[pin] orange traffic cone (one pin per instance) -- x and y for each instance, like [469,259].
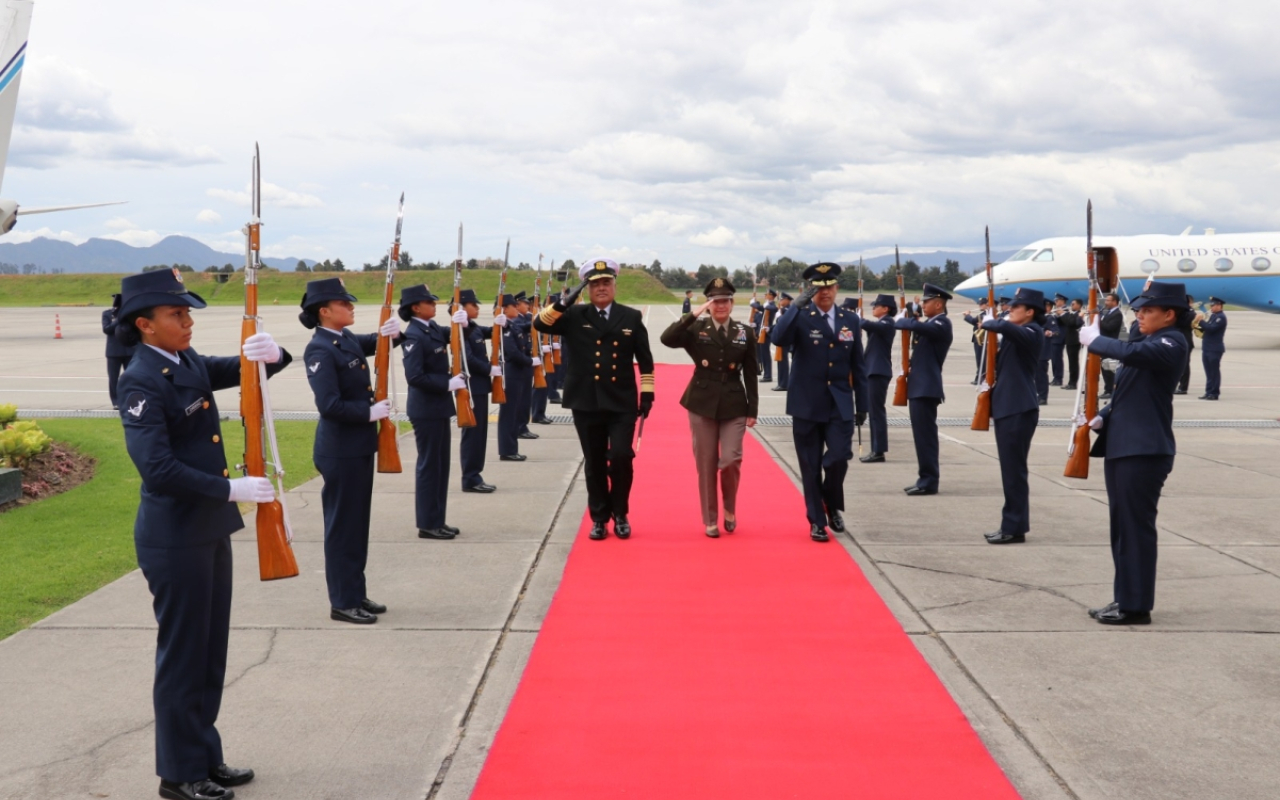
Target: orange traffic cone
[57,327]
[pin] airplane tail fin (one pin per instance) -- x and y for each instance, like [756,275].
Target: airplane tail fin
[15,23]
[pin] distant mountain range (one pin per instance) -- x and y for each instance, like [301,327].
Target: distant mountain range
[108,255]
[969,262]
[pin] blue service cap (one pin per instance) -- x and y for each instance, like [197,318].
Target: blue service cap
[416,294]
[1163,294]
[508,300]
[161,287]
[822,274]
[929,292]
[324,290]
[887,301]
[850,303]
[467,296]
[1028,297]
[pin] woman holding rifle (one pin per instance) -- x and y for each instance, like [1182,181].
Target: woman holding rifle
[346,440]
[186,516]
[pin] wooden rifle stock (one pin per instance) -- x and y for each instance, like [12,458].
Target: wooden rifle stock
[539,370]
[1100,278]
[388,432]
[900,388]
[462,397]
[982,412]
[499,390]
[765,318]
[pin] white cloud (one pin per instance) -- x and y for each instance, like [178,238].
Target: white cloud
[119,224]
[208,215]
[135,238]
[720,237]
[19,235]
[662,221]
[272,195]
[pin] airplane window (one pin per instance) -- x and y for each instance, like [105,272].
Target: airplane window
[1044,255]
[1223,265]
[1187,265]
[1022,255]
[1149,265]
[1261,264]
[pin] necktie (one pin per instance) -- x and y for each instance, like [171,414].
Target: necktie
[831,326]
[604,317]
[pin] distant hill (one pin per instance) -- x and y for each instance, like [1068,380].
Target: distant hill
[108,255]
[969,262]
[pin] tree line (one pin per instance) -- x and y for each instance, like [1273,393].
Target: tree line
[786,273]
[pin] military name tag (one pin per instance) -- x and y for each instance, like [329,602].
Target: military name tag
[439,349]
[815,334]
[194,407]
[626,331]
[352,363]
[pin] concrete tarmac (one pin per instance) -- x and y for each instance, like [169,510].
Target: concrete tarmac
[1186,708]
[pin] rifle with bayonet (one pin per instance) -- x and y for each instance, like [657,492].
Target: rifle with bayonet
[548,361]
[900,388]
[499,356]
[458,348]
[539,371]
[862,311]
[275,555]
[388,433]
[1101,279]
[982,412]
[555,340]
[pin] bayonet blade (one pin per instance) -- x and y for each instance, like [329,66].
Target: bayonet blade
[987,235]
[400,219]
[459,242]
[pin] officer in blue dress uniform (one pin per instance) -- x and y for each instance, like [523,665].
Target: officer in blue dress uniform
[932,340]
[186,516]
[759,313]
[1003,303]
[556,350]
[974,319]
[1051,331]
[784,363]
[475,439]
[543,396]
[425,347]
[687,306]
[524,318]
[1015,407]
[827,394]
[517,346]
[1058,341]
[1212,348]
[1136,441]
[118,353]
[879,357]
[346,443]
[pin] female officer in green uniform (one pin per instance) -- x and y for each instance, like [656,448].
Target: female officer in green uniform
[722,399]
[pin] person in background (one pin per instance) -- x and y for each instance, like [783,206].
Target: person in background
[1185,327]
[783,363]
[475,439]
[879,357]
[517,344]
[974,318]
[688,301]
[1212,348]
[118,353]
[1071,321]
[1110,323]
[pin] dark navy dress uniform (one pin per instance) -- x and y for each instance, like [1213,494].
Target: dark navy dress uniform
[1015,409]
[1137,443]
[118,353]
[1212,349]
[784,362]
[828,390]
[475,439]
[932,339]
[879,358]
[763,357]
[1051,332]
[1058,341]
[183,529]
[517,347]
[974,319]
[686,307]
[425,355]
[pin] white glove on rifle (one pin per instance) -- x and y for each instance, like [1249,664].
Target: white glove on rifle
[460,317]
[555,345]
[546,348]
[251,490]
[983,387]
[1089,332]
[501,320]
[537,362]
[1096,423]
[261,347]
[390,328]
[495,372]
[457,382]
[380,410]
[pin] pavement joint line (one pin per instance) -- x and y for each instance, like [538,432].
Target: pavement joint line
[934,634]
[507,628]
[1105,629]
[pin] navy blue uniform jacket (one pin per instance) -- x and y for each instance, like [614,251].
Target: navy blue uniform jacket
[1139,419]
[172,433]
[1016,360]
[879,353]
[1050,326]
[115,347]
[342,383]
[425,352]
[1215,330]
[932,341]
[476,338]
[828,371]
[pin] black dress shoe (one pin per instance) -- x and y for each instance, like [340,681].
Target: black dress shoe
[1044,402]
[516,457]
[1118,616]
[1179,391]
[367,605]
[835,521]
[1000,537]
[766,380]
[730,525]
[621,528]
[919,490]
[778,389]
[818,533]
[435,533]
[200,790]
[872,458]
[450,529]
[230,776]
[598,531]
[542,420]
[356,616]
[1094,612]
[555,398]
[1055,383]
[1208,397]
[527,435]
[1070,387]
[482,488]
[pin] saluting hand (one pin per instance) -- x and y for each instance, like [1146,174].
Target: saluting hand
[807,297]
[572,297]
[702,309]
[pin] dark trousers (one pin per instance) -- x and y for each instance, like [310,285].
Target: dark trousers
[1055,361]
[605,437]
[518,387]
[1212,372]
[823,450]
[538,408]
[1186,372]
[878,390]
[765,359]
[431,487]
[1133,492]
[1013,445]
[115,365]
[1073,364]
[475,442]
[1042,380]
[556,379]
[526,405]
[784,368]
[924,428]
[347,498]
[1108,381]
[191,591]
[977,357]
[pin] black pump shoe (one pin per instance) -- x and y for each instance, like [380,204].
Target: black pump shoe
[224,775]
[199,790]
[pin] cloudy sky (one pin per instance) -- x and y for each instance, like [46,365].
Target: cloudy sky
[690,132]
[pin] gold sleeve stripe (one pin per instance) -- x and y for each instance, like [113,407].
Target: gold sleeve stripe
[549,315]
[646,383]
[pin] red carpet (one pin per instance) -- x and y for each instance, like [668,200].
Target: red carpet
[757,665]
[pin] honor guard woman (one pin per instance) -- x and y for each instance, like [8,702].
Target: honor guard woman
[827,375]
[474,439]
[517,348]
[722,398]
[1136,441]
[118,353]
[1214,330]
[879,357]
[603,342]
[784,356]
[186,516]
[426,369]
[346,440]
[1015,407]
[932,339]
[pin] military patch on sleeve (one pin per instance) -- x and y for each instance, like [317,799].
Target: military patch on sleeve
[135,405]
[408,348]
[313,367]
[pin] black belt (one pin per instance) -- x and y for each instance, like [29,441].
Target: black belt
[723,376]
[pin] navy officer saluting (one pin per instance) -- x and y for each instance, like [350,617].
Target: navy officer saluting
[932,338]
[186,516]
[828,374]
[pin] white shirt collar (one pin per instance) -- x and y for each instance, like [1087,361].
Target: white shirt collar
[606,309]
[337,332]
[424,322]
[171,356]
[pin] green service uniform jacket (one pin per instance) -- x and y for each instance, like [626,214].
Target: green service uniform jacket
[724,374]
[599,356]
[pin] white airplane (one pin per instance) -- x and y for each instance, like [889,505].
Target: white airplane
[15,22]
[1243,269]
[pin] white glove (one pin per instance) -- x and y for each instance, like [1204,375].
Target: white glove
[251,490]
[537,362]
[261,347]
[460,317]
[555,346]
[500,320]
[546,348]
[457,382]
[495,372]
[1096,423]
[983,387]
[390,328]
[1089,332]
[380,410]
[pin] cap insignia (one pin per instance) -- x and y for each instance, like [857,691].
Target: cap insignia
[719,282]
[177,276]
[824,269]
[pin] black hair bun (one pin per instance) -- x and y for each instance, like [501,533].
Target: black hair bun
[405,312]
[309,319]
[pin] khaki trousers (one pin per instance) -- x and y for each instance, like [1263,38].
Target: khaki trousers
[717,450]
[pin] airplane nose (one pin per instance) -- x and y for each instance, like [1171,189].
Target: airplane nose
[973,287]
